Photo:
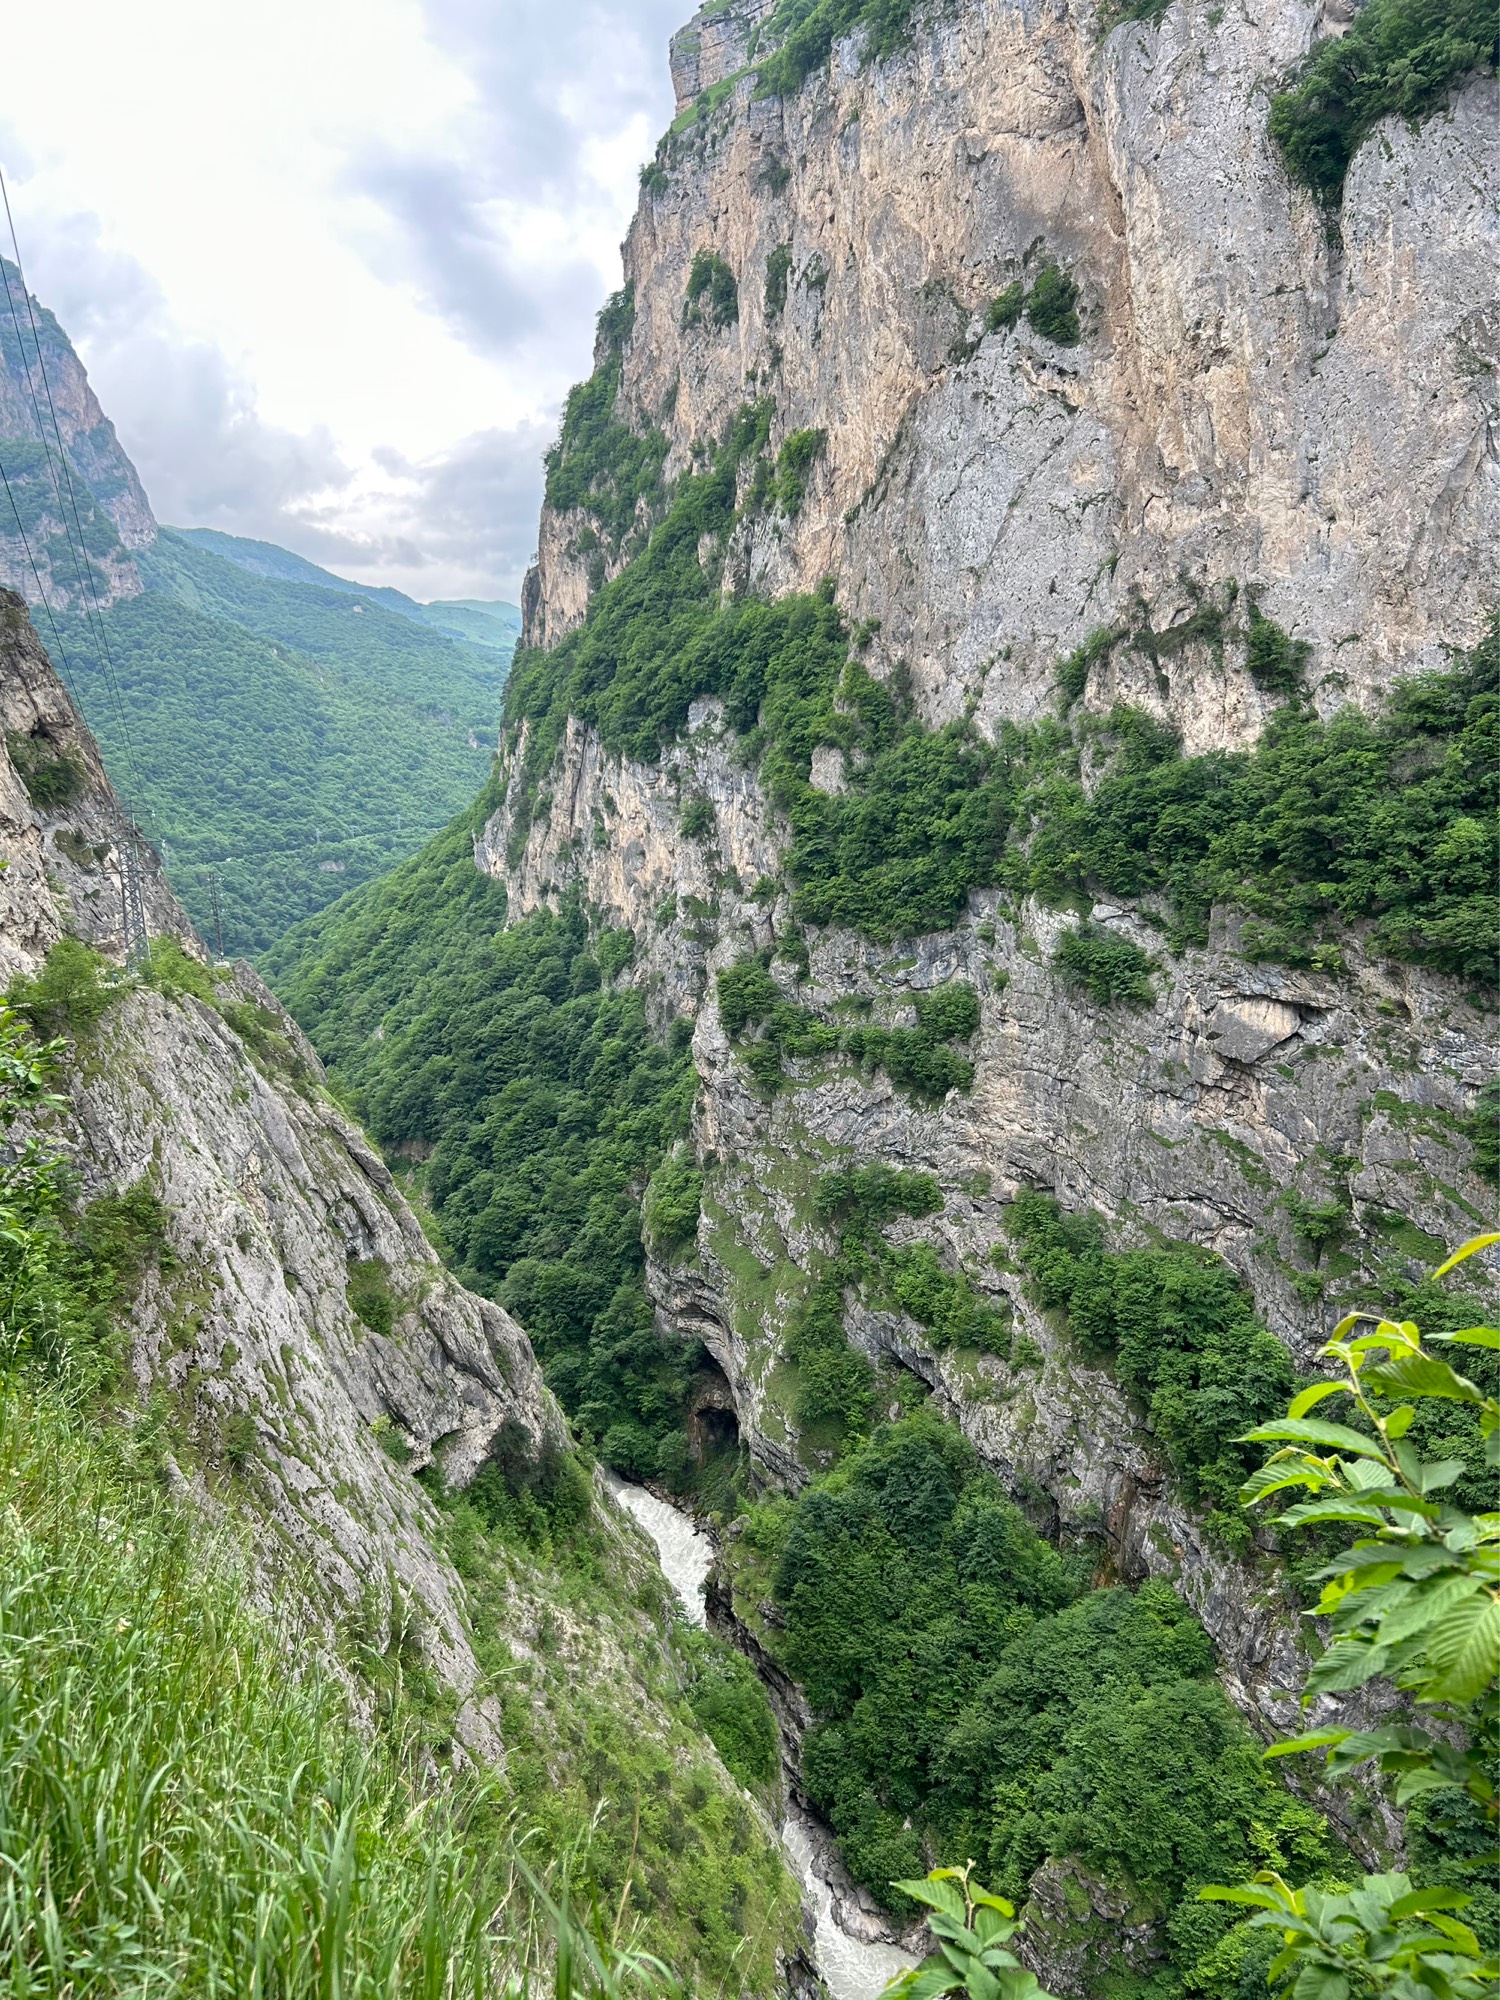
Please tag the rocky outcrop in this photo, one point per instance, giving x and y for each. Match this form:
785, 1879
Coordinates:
85, 508
296, 1342
1259, 409
1255, 400
63, 860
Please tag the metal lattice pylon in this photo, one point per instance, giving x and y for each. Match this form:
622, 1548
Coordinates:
128, 845
217, 912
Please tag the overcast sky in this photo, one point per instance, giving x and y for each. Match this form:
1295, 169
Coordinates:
333, 264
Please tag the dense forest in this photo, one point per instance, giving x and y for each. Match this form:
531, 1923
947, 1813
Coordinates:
292, 737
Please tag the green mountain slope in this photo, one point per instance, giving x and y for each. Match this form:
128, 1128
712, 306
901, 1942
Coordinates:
481, 621
297, 739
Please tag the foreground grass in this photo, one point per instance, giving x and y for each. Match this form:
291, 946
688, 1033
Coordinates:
185, 1809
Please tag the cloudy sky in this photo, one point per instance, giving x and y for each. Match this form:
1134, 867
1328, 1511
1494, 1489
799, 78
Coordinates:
332, 264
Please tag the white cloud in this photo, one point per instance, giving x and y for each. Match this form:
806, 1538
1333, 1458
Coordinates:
332, 264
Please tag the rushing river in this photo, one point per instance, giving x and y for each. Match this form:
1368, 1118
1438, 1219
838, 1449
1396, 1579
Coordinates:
850, 1968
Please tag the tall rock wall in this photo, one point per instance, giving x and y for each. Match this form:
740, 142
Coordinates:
1262, 408
1258, 399
70, 519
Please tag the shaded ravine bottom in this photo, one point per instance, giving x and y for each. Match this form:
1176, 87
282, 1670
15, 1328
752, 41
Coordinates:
850, 1968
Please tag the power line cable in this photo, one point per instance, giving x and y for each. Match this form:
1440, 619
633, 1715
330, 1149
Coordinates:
62, 657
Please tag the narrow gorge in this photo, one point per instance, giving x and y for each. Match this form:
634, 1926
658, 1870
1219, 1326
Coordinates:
977, 947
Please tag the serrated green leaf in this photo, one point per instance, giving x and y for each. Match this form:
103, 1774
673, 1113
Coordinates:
1463, 1649
1421, 1608
1422, 1375
1348, 1663
1473, 1336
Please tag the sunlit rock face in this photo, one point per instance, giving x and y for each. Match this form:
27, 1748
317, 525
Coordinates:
75, 510
1259, 409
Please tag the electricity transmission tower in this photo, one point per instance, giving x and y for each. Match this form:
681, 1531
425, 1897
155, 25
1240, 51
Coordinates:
128, 846
216, 912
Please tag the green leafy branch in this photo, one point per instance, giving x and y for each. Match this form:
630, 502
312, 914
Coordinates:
1416, 1599
973, 1931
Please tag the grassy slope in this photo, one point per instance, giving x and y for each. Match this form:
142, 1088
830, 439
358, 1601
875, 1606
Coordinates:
281, 731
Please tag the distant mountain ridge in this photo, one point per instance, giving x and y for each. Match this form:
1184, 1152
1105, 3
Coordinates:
281, 732
479, 621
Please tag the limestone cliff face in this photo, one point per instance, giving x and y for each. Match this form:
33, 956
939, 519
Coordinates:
1260, 409
94, 498
295, 1411
1307, 414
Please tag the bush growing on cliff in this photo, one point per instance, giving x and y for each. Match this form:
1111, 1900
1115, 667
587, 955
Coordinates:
806, 30
1398, 57
712, 294
1184, 1335
921, 1061
778, 270
1052, 306
1108, 967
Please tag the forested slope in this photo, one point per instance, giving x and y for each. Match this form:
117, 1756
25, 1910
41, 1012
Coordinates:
291, 736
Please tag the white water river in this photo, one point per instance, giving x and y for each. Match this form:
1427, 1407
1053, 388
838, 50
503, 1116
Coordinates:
850, 1969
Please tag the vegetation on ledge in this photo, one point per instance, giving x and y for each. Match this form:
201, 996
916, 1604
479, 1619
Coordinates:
1397, 58
1393, 822
539, 1101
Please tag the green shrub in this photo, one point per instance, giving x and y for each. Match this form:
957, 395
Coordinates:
778, 270
1006, 307
614, 949
793, 464
920, 1061
1052, 306
1184, 1335
712, 294
726, 1696
71, 991
170, 970
1108, 967
1275, 661
804, 32
370, 1297
1398, 57
53, 777
673, 1202
697, 818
